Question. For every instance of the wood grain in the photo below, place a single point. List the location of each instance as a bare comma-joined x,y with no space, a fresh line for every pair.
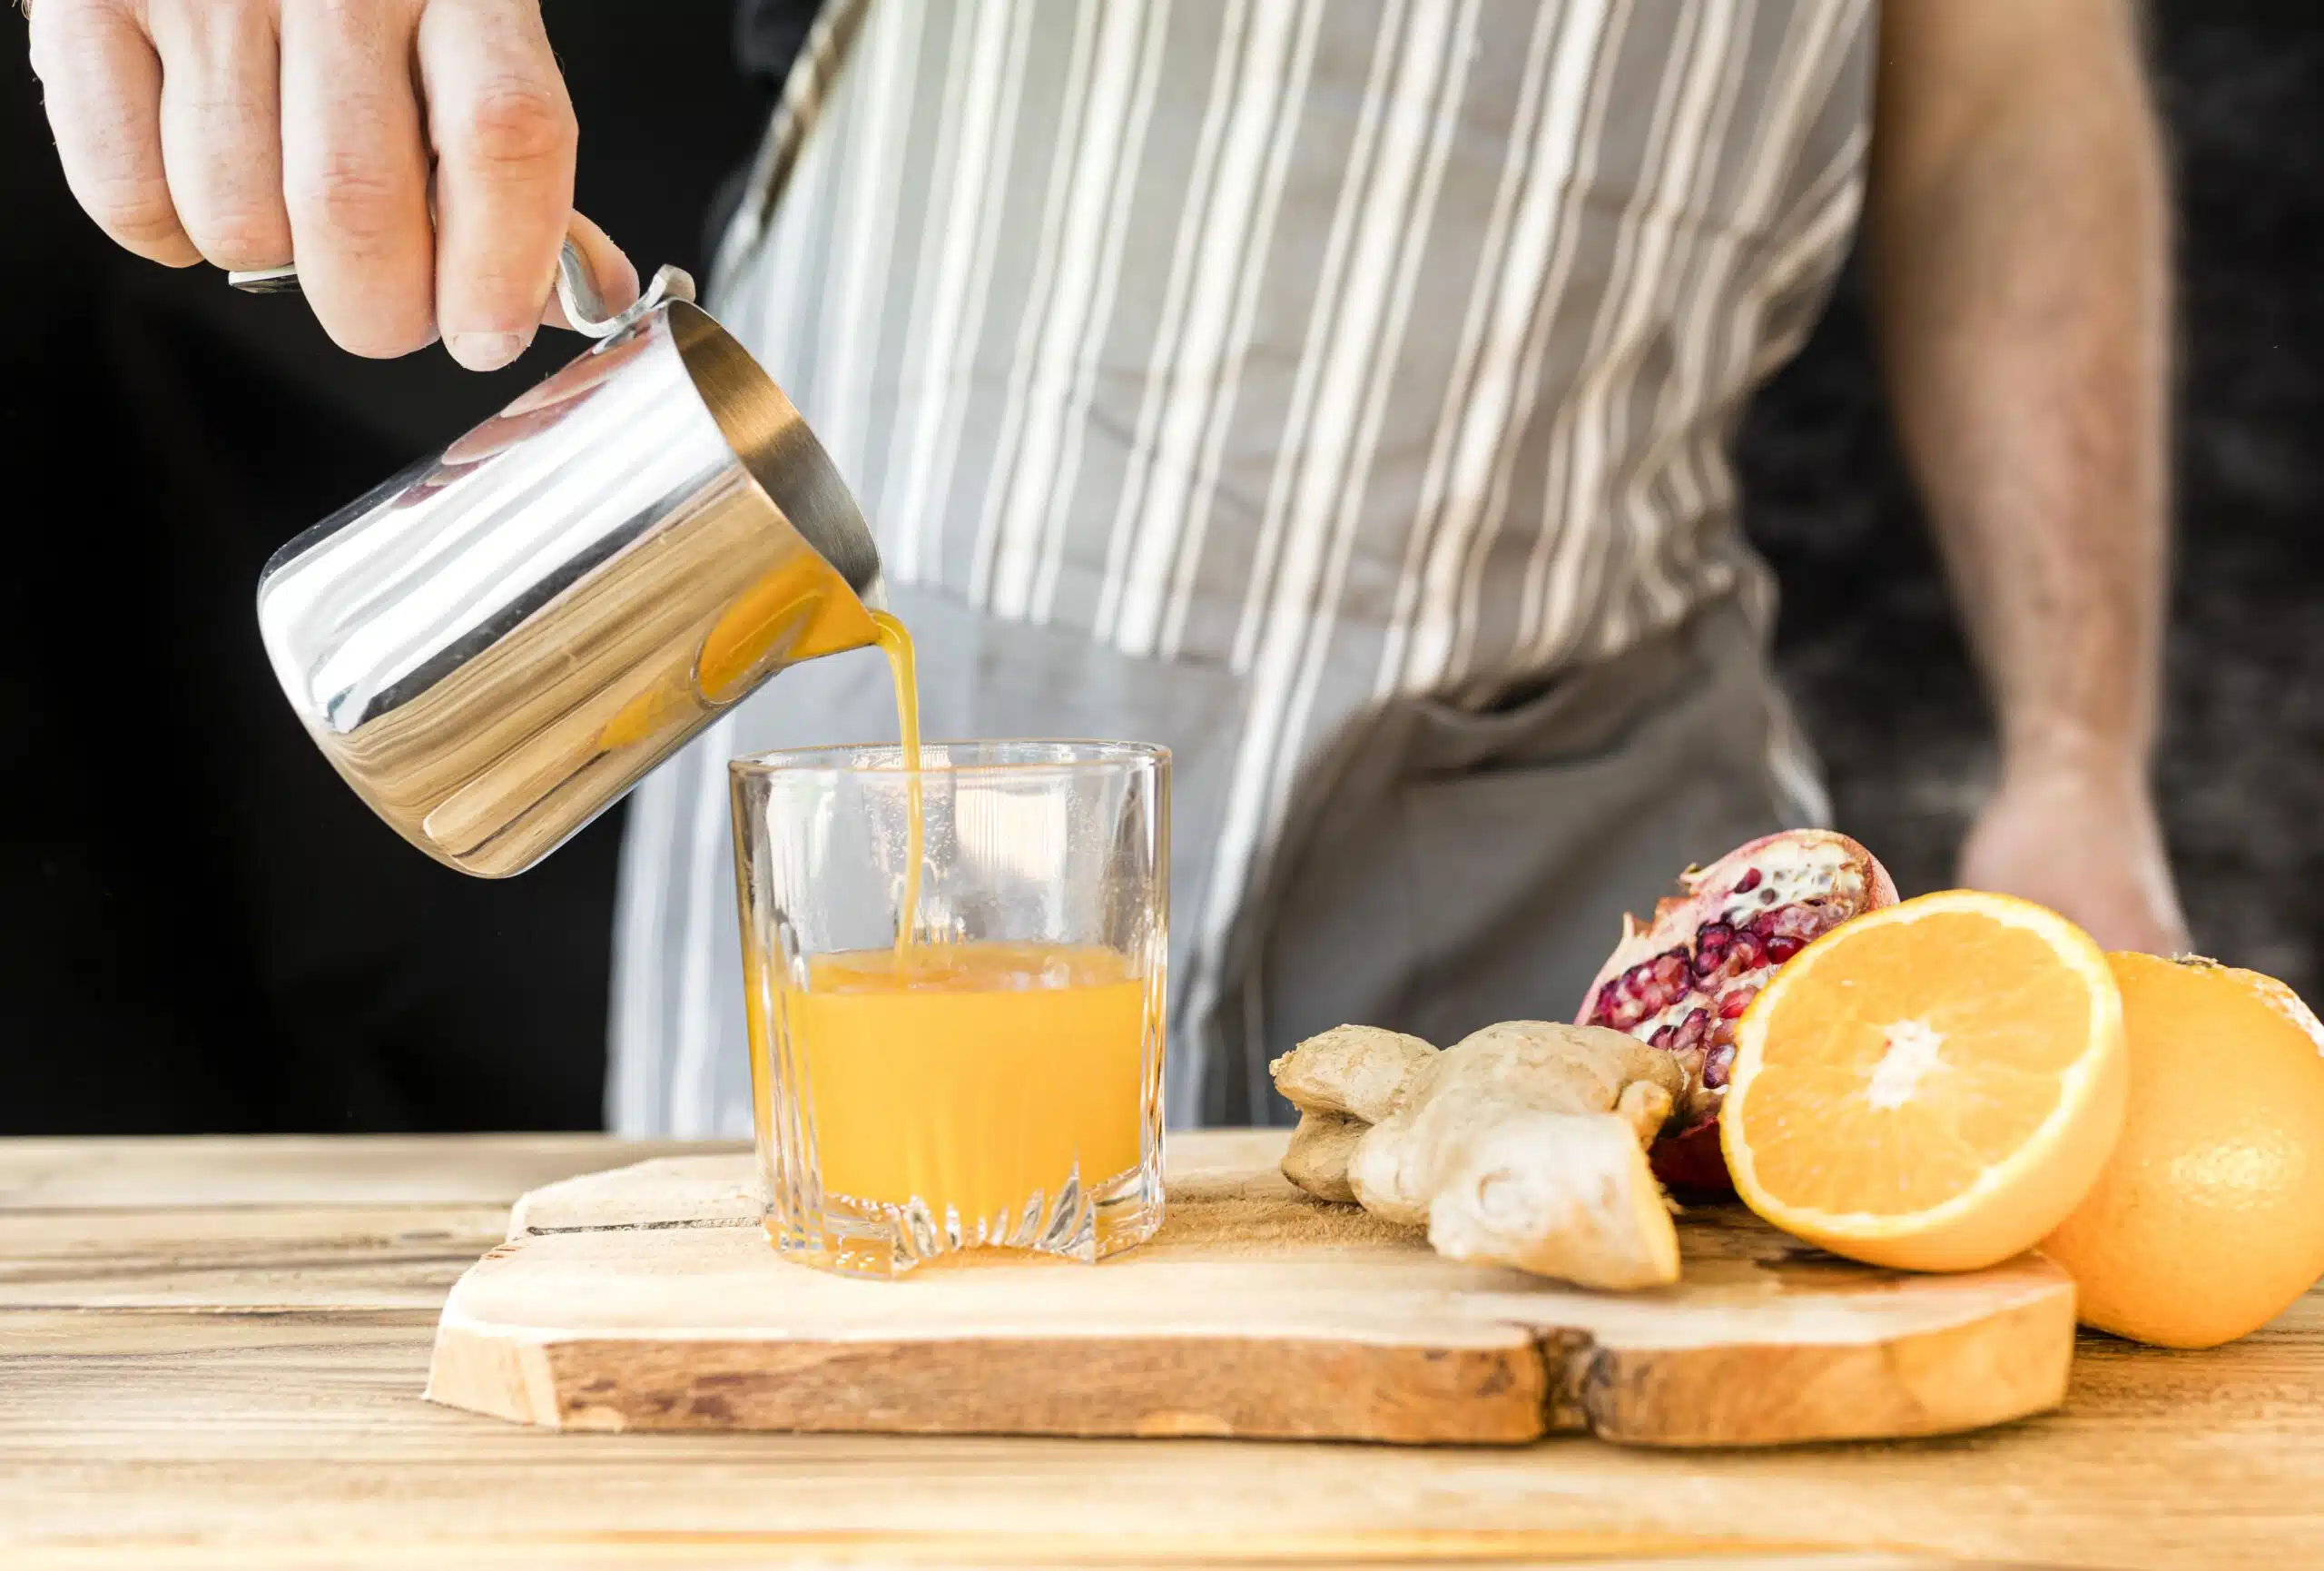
306,1171
221,1433
647,1298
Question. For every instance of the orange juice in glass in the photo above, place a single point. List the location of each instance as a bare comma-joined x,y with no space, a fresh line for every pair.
955,978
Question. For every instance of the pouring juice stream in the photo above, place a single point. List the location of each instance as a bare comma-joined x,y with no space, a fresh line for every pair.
895,641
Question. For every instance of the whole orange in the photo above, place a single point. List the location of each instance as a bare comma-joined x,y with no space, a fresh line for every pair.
2208,1220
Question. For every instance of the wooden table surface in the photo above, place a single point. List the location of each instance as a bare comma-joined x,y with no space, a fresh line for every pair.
211,1353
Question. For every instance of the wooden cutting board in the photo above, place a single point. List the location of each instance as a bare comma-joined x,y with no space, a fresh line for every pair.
647,1298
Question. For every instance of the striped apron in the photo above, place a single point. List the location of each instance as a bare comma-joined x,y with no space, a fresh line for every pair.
1335,391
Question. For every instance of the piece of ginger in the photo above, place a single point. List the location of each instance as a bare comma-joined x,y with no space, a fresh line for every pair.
1522,1144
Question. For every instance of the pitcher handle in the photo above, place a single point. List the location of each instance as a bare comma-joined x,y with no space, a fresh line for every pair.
576,291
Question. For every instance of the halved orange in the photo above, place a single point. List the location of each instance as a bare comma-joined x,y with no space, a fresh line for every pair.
1933,1086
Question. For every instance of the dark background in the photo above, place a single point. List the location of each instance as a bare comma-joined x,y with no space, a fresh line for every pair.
202,929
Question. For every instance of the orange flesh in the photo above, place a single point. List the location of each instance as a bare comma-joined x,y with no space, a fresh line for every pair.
1879,1084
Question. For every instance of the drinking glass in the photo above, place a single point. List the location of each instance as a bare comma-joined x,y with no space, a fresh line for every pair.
955,981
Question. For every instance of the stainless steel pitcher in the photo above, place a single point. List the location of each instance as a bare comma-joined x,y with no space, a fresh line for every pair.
495,645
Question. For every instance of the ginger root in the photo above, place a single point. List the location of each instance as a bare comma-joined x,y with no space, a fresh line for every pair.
1522,1144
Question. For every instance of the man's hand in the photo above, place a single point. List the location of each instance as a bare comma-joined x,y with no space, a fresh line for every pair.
2084,843
246,132
2017,223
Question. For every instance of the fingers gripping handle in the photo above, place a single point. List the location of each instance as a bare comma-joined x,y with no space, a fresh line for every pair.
585,306
576,291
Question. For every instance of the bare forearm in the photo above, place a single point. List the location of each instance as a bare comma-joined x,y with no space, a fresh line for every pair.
2020,254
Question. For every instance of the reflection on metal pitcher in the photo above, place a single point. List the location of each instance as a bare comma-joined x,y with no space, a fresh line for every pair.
496,644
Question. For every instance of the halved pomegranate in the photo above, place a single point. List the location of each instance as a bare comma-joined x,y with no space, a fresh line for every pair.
1682,981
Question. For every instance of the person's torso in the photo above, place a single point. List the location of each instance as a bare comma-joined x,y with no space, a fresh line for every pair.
1424,322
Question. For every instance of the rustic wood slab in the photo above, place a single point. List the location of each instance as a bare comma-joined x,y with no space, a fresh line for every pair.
647,1298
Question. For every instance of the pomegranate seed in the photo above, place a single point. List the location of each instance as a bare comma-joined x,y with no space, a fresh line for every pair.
1635,977
1732,1006
1626,1014
1663,1037
1710,946
1720,1065
1670,969
1748,882
1782,947
1723,1035
1691,1030
1751,950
